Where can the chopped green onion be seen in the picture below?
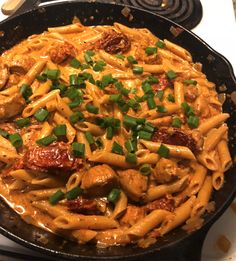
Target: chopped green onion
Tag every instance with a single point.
(108, 122)
(89, 137)
(145, 169)
(160, 95)
(132, 103)
(73, 193)
(147, 88)
(75, 63)
(78, 149)
(130, 121)
(171, 75)
(193, 121)
(110, 133)
(46, 140)
(117, 148)
(105, 81)
(99, 66)
(41, 114)
(26, 91)
(170, 98)
(150, 50)
(73, 80)
(99, 143)
(188, 111)
(152, 79)
(4, 133)
(52, 74)
(72, 93)
(114, 195)
(192, 82)
(75, 104)
(129, 145)
(145, 135)
(60, 130)
(60, 86)
(161, 108)
(16, 140)
(87, 57)
(148, 127)
(41, 78)
(22, 122)
(86, 76)
(138, 70)
(151, 103)
(163, 151)
(91, 108)
(131, 60)
(84, 66)
(131, 158)
(176, 122)
(119, 86)
(160, 44)
(90, 52)
(115, 97)
(77, 116)
(120, 56)
(56, 197)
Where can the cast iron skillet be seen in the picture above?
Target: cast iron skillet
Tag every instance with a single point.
(177, 245)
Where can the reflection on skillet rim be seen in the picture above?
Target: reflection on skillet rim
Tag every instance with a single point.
(11, 224)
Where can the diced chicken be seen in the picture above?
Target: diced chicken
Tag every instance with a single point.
(132, 215)
(11, 106)
(60, 52)
(99, 180)
(4, 75)
(21, 64)
(165, 171)
(114, 42)
(56, 157)
(162, 203)
(133, 183)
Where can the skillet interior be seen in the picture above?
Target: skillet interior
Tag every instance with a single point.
(216, 67)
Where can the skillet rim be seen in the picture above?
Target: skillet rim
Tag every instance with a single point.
(208, 221)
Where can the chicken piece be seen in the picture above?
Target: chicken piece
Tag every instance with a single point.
(60, 52)
(99, 180)
(174, 137)
(56, 157)
(133, 183)
(191, 93)
(132, 215)
(20, 64)
(165, 171)
(4, 75)
(114, 42)
(11, 106)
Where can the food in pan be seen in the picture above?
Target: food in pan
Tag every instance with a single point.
(109, 135)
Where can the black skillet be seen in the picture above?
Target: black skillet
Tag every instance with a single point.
(177, 245)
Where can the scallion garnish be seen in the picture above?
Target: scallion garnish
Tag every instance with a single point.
(75, 63)
(26, 91)
(138, 70)
(161, 108)
(73, 80)
(23, 122)
(131, 60)
(131, 158)
(89, 137)
(171, 75)
(60, 130)
(193, 121)
(78, 149)
(188, 110)
(52, 74)
(176, 122)
(41, 78)
(110, 133)
(115, 98)
(99, 66)
(130, 121)
(148, 127)
(147, 88)
(120, 56)
(73, 193)
(4, 133)
(46, 140)
(163, 151)
(114, 195)
(88, 57)
(190, 82)
(171, 98)
(117, 148)
(75, 104)
(41, 115)
(151, 103)
(150, 50)
(160, 44)
(56, 197)
(145, 169)
(77, 116)
(16, 140)
(160, 95)
(91, 108)
(145, 135)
